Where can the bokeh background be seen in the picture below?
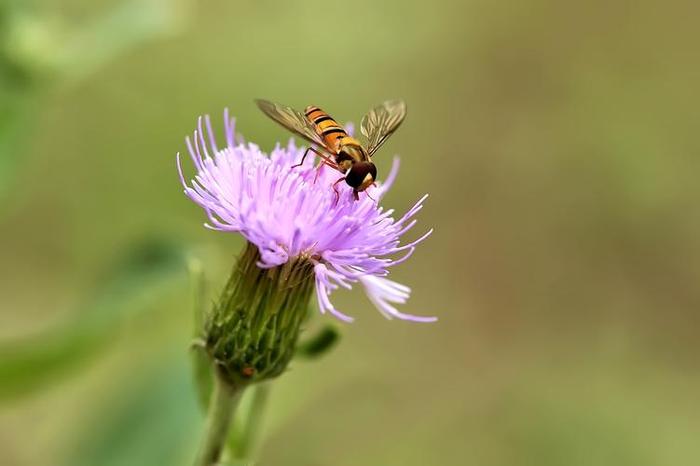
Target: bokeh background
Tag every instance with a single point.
(558, 142)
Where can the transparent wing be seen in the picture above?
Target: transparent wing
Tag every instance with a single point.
(291, 119)
(381, 122)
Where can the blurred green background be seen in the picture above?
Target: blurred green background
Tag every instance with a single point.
(557, 140)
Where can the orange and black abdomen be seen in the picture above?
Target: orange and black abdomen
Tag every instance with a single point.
(326, 127)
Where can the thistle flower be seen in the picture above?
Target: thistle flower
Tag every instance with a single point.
(293, 214)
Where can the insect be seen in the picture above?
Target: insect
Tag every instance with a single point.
(336, 148)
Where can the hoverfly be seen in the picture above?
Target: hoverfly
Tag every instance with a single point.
(338, 149)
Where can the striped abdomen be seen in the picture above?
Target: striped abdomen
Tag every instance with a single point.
(331, 132)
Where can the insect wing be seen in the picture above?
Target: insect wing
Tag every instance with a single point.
(381, 122)
(292, 120)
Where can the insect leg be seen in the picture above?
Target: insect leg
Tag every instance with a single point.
(335, 188)
(321, 165)
(318, 171)
(303, 157)
(321, 155)
(325, 158)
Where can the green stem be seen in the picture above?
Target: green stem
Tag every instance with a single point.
(243, 439)
(222, 404)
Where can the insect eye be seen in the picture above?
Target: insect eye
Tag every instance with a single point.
(373, 170)
(357, 174)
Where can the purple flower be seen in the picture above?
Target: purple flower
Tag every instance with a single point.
(294, 212)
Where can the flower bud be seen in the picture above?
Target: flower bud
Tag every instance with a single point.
(252, 331)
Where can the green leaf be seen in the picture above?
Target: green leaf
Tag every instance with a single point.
(202, 373)
(143, 274)
(199, 294)
(201, 362)
(17, 105)
(124, 27)
(151, 421)
(319, 344)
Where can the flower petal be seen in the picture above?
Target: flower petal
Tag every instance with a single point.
(382, 292)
